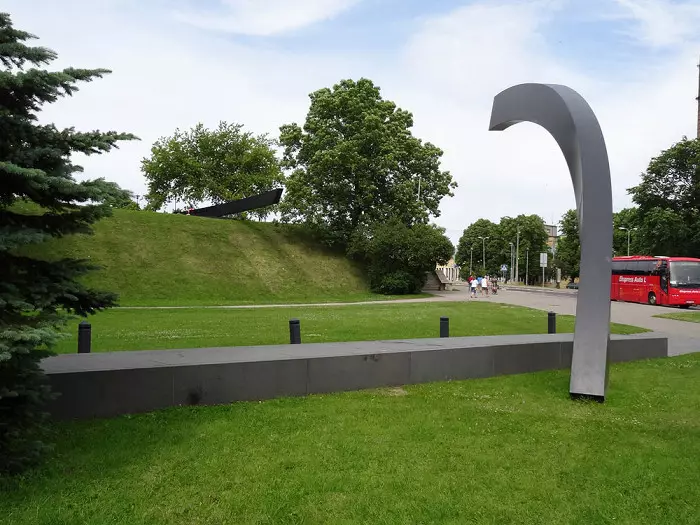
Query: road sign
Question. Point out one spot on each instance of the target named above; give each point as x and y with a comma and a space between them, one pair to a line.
504, 267
543, 260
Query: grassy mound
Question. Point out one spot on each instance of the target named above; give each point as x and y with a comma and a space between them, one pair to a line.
164, 259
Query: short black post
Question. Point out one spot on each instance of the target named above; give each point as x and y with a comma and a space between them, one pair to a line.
551, 323
294, 332
84, 337
444, 327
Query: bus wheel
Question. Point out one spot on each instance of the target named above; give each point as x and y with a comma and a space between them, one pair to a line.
684, 306
652, 298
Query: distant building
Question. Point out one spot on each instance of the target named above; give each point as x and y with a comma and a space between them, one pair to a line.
552, 236
450, 270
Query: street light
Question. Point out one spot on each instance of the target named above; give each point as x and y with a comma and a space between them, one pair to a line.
471, 258
511, 261
483, 243
527, 263
517, 255
628, 230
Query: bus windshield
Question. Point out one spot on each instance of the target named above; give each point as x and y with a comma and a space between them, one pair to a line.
685, 274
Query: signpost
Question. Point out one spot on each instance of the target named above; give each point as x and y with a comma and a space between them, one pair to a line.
543, 264
504, 269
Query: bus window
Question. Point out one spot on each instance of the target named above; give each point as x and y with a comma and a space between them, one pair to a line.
685, 274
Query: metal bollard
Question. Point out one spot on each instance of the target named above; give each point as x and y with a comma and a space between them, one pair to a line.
84, 337
444, 327
551, 323
294, 332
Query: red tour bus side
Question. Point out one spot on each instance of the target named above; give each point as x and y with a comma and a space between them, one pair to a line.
673, 281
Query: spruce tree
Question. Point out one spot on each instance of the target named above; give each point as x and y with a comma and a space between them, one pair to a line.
39, 200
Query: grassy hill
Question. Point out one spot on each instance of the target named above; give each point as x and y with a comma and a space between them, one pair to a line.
154, 259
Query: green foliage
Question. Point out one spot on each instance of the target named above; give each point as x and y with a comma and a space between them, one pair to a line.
119, 198
398, 257
668, 200
470, 248
39, 200
625, 224
211, 165
355, 163
533, 240
568, 256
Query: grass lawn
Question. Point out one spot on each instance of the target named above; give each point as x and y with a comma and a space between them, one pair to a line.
161, 259
692, 317
197, 328
501, 450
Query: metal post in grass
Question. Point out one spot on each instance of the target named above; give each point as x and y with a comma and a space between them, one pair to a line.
294, 332
551, 323
444, 327
84, 337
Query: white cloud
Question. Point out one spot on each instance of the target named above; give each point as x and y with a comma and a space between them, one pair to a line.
266, 17
661, 23
168, 74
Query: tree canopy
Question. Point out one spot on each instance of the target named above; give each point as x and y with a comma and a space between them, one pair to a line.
356, 163
533, 240
668, 201
398, 256
568, 255
39, 200
218, 165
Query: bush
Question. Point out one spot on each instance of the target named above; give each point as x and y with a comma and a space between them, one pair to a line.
398, 257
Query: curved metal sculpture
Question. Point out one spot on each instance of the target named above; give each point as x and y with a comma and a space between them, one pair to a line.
572, 123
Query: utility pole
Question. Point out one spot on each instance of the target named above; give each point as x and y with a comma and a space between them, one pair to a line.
517, 255
471, 258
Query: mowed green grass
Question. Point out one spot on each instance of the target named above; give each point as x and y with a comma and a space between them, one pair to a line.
505, 450
691, 317
155, 329
153, 259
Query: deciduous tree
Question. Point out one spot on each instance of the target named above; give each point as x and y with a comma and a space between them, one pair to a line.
217, 165
668, 200
398, 257
568, 255
356, 163
39, 200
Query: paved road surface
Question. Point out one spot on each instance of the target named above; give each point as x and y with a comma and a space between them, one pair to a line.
683, 337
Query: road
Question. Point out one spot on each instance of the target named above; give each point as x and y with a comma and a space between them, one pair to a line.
683, 337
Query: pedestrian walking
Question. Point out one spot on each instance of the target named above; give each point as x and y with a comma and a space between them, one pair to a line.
485, 284
472, 287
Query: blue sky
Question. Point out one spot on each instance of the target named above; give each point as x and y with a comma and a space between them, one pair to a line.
177, 63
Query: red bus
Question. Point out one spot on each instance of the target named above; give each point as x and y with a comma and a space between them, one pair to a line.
673, 281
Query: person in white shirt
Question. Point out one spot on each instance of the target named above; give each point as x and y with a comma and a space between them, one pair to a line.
485, 284
473, 287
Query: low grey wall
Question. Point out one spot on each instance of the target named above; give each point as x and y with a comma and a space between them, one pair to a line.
109, 384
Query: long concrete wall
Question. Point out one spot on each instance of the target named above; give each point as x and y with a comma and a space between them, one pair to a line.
110, 384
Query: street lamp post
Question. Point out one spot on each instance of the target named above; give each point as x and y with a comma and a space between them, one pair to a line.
517, 255
511, 261
628, 230
483, 244
471, 258
527, 263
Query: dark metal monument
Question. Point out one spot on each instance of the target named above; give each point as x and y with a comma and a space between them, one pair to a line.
572, 123
232, 207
